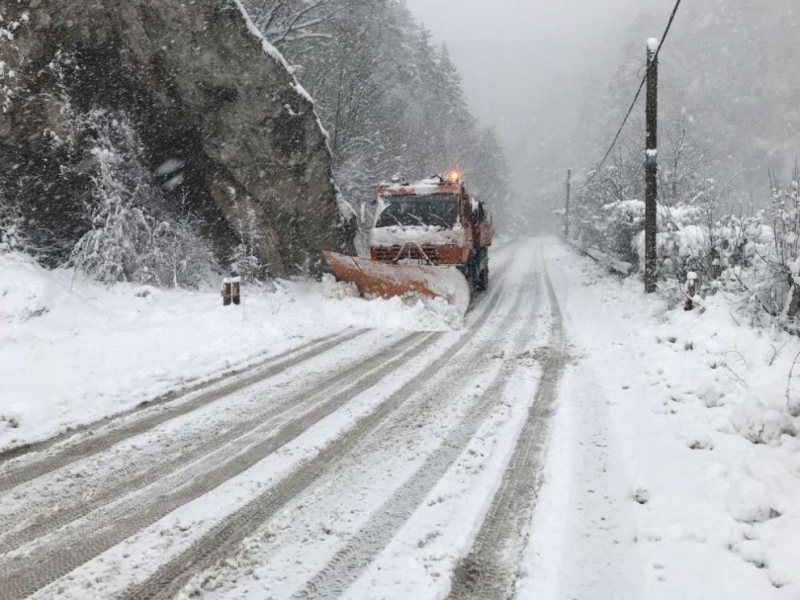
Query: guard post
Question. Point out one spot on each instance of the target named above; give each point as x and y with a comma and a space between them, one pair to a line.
232, 291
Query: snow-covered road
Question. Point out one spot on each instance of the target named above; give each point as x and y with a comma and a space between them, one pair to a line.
574, 439
368, 460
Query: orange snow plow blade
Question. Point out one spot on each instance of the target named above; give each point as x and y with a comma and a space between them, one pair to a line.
373, 278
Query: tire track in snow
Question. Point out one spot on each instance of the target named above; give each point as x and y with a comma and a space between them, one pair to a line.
57, 556
103, 441
489, 570
351, 561
225, 537
191, 386
50, 519
48, 562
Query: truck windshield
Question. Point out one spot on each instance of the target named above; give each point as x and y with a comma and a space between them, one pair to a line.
438, 210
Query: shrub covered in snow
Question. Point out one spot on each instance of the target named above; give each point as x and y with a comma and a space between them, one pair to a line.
751, 500
9, 421
753, 257
24, 296
134, 237
11, 236
761, 424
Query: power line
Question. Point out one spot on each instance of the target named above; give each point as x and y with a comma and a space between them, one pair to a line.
635, 98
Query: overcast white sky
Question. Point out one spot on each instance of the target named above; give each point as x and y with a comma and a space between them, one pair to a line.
522, 61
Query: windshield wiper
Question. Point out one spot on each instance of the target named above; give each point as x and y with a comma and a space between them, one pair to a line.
442, 220
396, 220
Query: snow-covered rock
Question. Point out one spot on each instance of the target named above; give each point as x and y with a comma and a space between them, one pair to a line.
207, 97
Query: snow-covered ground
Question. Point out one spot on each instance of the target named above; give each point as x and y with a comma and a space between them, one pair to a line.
402, 461
674, 470
73, 351
377, 430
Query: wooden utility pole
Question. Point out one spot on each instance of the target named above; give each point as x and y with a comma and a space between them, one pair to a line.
566, 214
651, 172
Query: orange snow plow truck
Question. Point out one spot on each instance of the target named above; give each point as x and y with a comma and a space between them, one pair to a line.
429, 238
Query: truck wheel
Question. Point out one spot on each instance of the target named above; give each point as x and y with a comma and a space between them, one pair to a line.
482, 280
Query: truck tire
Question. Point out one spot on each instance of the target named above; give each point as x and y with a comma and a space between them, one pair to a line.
482, 275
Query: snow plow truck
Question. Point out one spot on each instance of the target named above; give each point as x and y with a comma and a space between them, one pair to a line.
430, 238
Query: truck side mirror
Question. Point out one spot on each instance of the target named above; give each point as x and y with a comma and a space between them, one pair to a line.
475, 217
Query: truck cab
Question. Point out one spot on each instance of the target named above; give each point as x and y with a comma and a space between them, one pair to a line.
433, 222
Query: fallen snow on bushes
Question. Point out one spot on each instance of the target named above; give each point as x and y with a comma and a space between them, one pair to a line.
73, 351
674, 469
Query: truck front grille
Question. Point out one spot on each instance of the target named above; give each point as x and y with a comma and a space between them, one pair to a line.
388, 254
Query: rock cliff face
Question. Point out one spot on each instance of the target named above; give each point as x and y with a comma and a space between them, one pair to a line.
221, 122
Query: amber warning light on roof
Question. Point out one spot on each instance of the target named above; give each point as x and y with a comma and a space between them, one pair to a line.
454, 176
